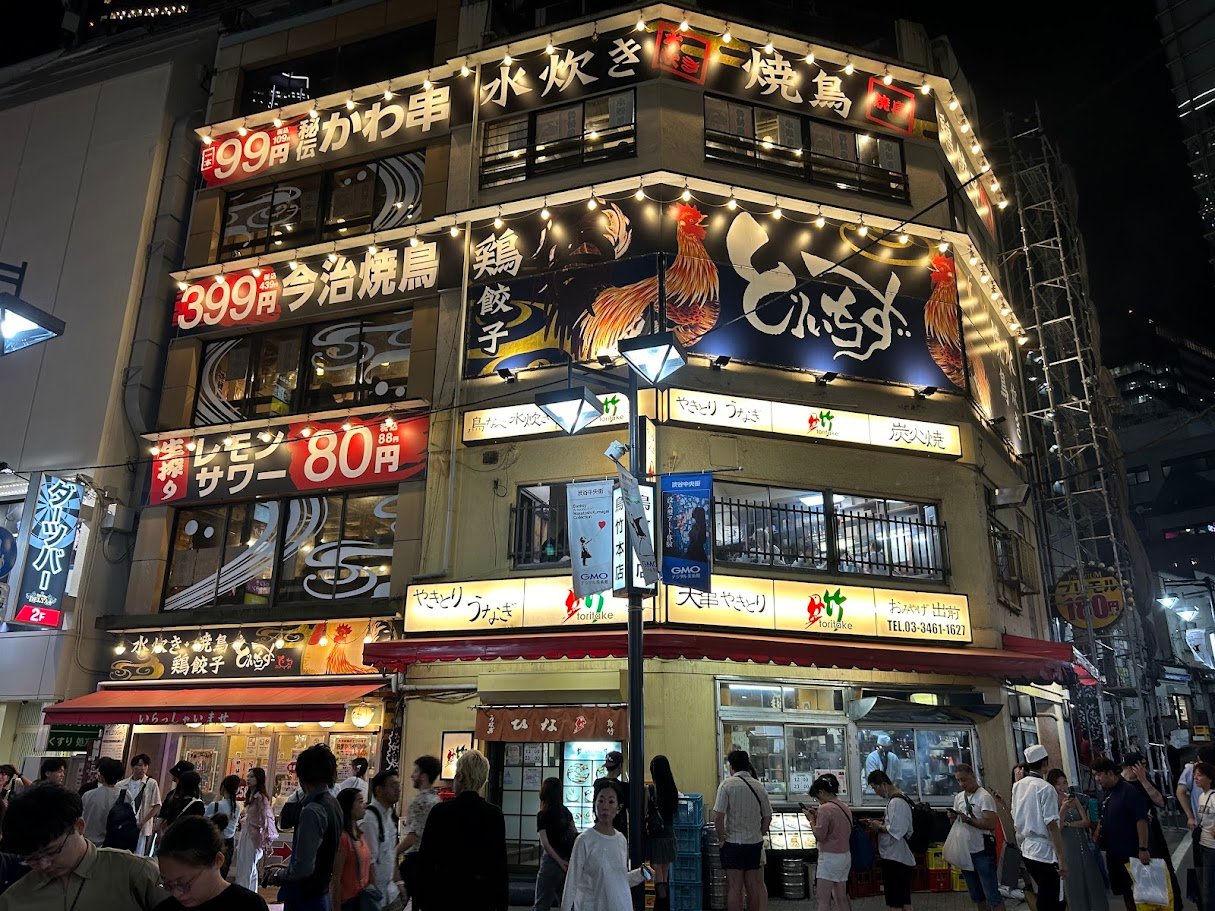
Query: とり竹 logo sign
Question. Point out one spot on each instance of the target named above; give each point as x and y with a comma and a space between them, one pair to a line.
829, 603
588, 608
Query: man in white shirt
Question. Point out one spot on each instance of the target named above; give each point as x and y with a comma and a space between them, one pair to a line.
356, 780
974, 810
426, 771
380, 830
882, 759
96, 803
742, 821
1035, 810
898, 863
144, 794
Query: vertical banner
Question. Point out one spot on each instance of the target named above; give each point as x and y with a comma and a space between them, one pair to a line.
1199, 642
687, 529
589, 520
48, 553
638, 528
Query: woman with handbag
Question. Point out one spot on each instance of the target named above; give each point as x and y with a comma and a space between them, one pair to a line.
831, 822
256, 832
1085, 885
662, 803
350, 886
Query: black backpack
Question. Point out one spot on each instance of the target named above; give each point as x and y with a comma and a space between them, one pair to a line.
923, 824
121, 826
289, 816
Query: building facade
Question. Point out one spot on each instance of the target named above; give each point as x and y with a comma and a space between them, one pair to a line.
391, 255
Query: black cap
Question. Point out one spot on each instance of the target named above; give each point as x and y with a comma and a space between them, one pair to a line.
613, 760
181, 768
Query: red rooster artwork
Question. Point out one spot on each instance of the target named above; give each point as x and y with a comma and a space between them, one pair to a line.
942, 325
693, 295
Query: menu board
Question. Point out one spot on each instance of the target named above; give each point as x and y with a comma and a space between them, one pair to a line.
347, 748
582, 764
204, 764
790, 832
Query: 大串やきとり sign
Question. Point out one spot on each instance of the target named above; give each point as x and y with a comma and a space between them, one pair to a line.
299, 456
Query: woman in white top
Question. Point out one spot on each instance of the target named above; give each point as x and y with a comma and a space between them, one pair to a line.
226, 805
599, 878
257, 831
1204, 777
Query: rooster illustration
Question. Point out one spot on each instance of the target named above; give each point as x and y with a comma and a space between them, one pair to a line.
693, 296
941, 322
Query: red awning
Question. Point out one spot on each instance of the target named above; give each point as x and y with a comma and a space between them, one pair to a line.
1004, 664
1061, 651
210, 705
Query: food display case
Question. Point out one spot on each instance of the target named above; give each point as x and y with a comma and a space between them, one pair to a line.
790, 831
582, 763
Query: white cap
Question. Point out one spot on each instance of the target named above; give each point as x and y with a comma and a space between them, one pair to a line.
883, 740
1035, 752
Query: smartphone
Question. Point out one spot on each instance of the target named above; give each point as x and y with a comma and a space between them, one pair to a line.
802, 805
646, 873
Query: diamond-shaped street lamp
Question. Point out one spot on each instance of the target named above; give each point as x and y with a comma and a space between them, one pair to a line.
22, 324
571, 409
655, 356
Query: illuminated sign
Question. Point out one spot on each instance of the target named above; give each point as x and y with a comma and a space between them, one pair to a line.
507, 604
492, 424
823, 609
49, 552
821, 423
1099, 607
288, 457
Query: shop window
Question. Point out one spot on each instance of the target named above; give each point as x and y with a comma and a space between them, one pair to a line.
277, 551
347, 364
270, 218
559, 139
1012, 562
540, 535
1182, 709
373, 196
777, 142
920, 760
778, 697
359, 362
821, 530
518, 771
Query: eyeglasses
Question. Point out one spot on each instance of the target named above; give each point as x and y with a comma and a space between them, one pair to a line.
46, 855
182, 887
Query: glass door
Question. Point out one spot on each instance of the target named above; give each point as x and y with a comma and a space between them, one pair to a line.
524, 767
583, 764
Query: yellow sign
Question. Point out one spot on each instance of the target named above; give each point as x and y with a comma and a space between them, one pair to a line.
1102, 605
824, 424
491, 424
507, 604
822, 609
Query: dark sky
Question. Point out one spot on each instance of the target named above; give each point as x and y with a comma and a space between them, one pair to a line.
1099, 76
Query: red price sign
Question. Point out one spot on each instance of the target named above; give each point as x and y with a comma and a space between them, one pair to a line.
1098, 602
237, 299
234, 157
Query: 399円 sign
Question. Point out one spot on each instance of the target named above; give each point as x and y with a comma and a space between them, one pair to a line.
299, 457
319, 286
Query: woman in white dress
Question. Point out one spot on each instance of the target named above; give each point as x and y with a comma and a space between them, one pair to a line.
257, 831
599, 878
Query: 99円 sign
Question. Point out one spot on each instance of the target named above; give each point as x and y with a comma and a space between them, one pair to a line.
298, 457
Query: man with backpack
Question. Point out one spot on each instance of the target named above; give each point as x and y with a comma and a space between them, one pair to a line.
1035, 811
144, 795
380, 830
895, 832
98, 803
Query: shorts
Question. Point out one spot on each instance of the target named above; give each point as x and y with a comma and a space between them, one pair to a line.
896, 883
982, 882
1120, 880
662, 849
741, 857
834, 868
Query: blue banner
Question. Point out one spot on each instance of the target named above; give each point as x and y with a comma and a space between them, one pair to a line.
687, 530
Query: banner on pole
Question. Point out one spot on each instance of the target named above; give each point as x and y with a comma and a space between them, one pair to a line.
589, 520
638, 527
687, 517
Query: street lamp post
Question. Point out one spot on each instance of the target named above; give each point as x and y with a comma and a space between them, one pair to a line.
21, 323
653, 358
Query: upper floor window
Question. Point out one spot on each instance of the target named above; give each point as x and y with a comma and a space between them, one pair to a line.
795, 146
342, 202
1013, 564
559, 139
315, 548
773, 526
1139, 474
345, 364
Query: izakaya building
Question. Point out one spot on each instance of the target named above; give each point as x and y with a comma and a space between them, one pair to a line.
352, 474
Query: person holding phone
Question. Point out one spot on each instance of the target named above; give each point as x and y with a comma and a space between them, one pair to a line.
831, 822
598, 877
1085, 886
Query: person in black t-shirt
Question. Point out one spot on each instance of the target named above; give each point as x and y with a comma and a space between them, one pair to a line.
557, 833
191, 856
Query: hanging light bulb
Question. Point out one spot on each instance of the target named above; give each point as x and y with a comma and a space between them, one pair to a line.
350, 103
454, 231
413, 241
191, 446
197, 644
324, 640
207, 139
943, 246
640, 26
863, 230
953, 103
388, 94
686, 194
639, 195
904, 239
726, 36
731, 203
769, 47
305, 431
279, 642
1002, 204
925, 89
849, 69
154, 450
887, 79
548, 48
965, 127
347, 426
332, 257
293, 265
684, 26
592, 204
973, 259
120, 647
810, 56
506, 60
498, 222
427, 85
313, 112
242, 130
777, 213
464, 70
544, 214
820, 222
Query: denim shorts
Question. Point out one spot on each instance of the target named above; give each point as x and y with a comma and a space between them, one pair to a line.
982, 882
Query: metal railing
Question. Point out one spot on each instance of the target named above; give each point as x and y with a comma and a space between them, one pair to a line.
539, 535
512, 158
810, 166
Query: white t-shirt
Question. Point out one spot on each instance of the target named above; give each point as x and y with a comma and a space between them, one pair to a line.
598, 875
892, 844
352, 782
979, 801
1206, 818
1035, 805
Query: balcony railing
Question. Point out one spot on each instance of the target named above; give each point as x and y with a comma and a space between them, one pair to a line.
510, 159
811, 166
810, 538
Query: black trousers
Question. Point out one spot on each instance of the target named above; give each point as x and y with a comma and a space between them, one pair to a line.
1046, 884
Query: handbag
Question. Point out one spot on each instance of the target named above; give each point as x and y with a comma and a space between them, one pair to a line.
957, 847
1010, 865
654, 823
1151, 883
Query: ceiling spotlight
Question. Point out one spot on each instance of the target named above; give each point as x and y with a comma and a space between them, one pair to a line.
508, 374
718, 362
925, 391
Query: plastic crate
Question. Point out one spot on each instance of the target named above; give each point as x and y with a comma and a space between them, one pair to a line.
690, 812
939, 881
935, 857
685, 897
687, 840
957, 880
686, 869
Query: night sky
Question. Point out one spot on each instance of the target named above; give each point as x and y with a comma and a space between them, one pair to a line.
1099, 76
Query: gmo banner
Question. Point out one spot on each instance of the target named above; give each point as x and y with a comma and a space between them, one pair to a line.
589, 512
687, 529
